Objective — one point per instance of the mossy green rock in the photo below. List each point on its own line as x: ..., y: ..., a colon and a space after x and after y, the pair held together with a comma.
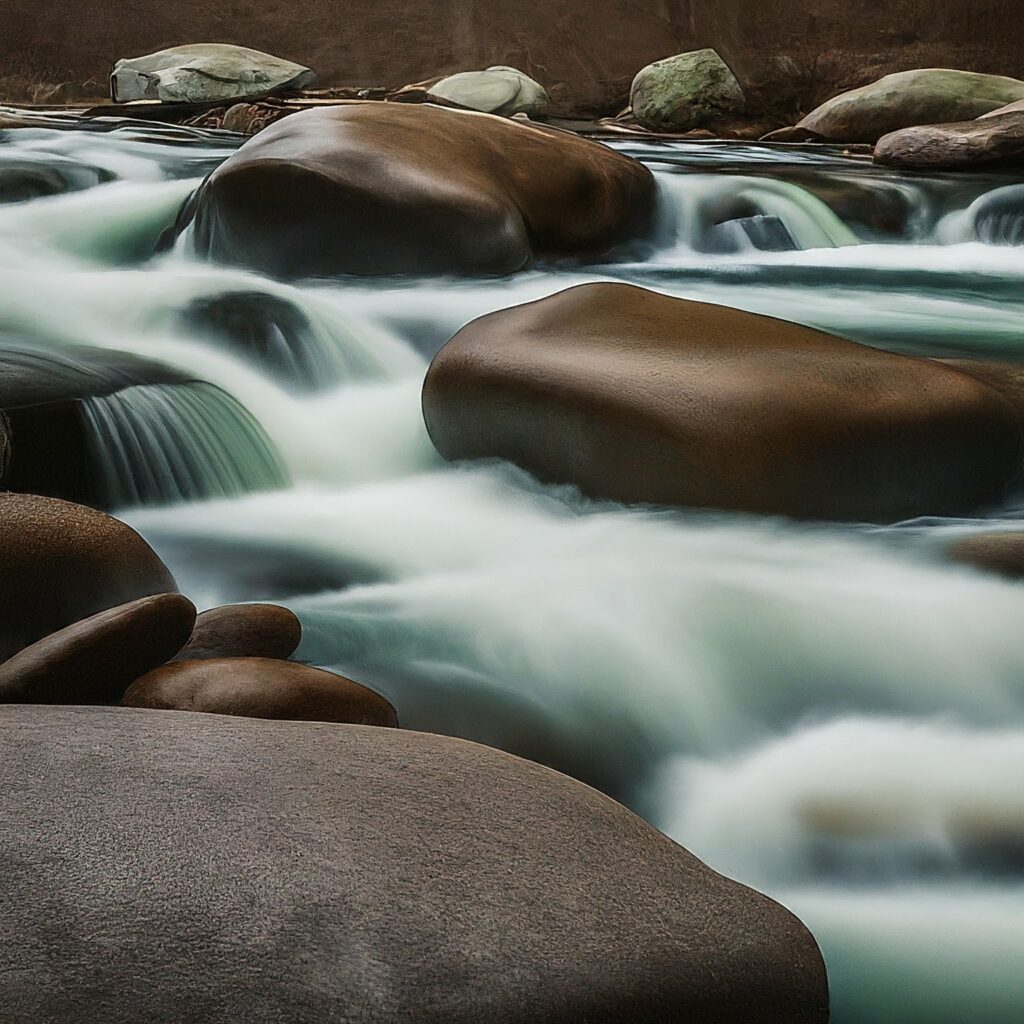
x: 690, y: 90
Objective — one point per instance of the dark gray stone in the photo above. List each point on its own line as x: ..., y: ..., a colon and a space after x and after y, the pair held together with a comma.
x: 163, y: 867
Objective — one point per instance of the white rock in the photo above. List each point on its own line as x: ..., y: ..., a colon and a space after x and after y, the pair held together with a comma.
x: 204, y: 72
x: 498, y: 90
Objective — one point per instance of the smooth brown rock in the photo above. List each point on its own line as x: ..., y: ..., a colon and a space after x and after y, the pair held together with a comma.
x: 999, y: 553
x: 94, y: 661
x: 370, y: 188
x: 60, y: 563
x: 639, y: 397
x: 260, y: 688
x: 165, y: 868
x: 962, y: 145
x: 243, y: 631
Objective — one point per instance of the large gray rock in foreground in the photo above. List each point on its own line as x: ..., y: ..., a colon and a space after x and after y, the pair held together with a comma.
x: 924, y: 96
x: 690, y: 90
x: 499, y: 90
x: 204, y: 73
x: 164, y: 867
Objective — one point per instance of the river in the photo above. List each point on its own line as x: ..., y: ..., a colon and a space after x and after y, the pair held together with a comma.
x: 831, y: 713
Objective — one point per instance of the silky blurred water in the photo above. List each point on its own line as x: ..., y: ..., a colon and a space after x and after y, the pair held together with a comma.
x: 831, y: 713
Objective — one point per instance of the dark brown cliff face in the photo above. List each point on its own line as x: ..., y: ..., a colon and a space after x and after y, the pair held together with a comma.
x: 789, y: 56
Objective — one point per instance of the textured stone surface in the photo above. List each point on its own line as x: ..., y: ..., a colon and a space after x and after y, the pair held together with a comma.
x: 640, y: 397
x: 690, y: 90
x: 371, y: 188
x: 204, y: 73
x: 243, y: 631
x: 960, y: 145
x: 499, y: 90
x: 909, y: 98
x: 60, y: 563
x: 168, y: 867
x: 94, y: 661
x: 260, y: 688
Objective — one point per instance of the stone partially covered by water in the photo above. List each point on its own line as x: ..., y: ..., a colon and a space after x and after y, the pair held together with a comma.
x: 361, y: 871
x: 204, y: 73
x: 638, y: 397
x: 463, y: 193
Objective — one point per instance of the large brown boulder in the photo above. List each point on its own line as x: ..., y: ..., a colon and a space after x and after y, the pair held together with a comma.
x: 639, y: 397
x: 259, y: 688
x: 1000, y: 553
x: 170, y: 867
x: 908, y: 98
x: 243, y: 631
x: 94, y: 661
x: 961, y: 145
x: 60, y: 563
x: 370, y: 188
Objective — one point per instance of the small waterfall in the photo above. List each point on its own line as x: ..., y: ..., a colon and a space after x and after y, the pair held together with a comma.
x: 723, y: 214
x: 160, y: 444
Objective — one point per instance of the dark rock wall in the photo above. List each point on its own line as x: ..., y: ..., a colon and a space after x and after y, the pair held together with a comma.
x: 789, y: 55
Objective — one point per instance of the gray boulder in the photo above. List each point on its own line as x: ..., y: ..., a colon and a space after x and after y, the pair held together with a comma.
x: 690, y: 90
x: 205, y: 73
x: 953, y: 146
x: 498, y: 90
x: 165, y: 867
x: 924, y: 96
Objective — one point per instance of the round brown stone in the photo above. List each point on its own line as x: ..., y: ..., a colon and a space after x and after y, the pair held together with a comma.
x: 260, y: 688
x: 94, y: 661
x: 243, y: 631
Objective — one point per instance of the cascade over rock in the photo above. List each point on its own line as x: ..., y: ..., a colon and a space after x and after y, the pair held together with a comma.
x: 299, y: 872
x: 397, y: 189
x: 639, y: 397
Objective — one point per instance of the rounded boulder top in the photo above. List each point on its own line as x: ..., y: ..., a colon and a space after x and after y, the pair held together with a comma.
x: 204, y: 72
x: 294, y: 872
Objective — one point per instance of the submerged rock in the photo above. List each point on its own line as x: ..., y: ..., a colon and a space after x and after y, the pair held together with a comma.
x: 690, y: 90
x: 638, y: 397
x: 204, y: 73
x: 498, y: 90
x: 260, y: 688
x: 313, y: 872
x: 243, y: 631
x: 60, y: 563
x: 94, y: 661
x: 954, y: 146
x: 110, y: 429
x: 370, y: 188
x: 909, y: 98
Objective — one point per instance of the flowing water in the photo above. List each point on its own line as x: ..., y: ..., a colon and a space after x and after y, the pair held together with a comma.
x: 834, y: 714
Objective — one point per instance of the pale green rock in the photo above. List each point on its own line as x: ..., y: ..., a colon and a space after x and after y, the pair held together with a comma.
x: 908, y: 99
x: 498, y: 90
x: 204, y: 73
x: 690, y: 90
